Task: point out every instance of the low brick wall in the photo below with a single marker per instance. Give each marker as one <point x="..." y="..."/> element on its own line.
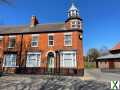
<point x="45" y="71"/>
<point x="117" y="70"/>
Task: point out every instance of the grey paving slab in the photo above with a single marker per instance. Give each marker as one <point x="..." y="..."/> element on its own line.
<point x="37" y="82"/>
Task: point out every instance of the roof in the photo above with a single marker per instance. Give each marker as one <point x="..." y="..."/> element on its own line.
<point x="117" y="47"/>
<point x="27" y="28"/>
<point x="73" y="7"/>
<point x="109" y="56"/>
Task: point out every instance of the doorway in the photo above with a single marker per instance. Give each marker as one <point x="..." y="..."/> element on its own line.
<point x="51" y="62"/>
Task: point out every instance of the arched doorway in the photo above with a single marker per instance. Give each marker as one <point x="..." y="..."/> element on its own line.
<point x="51" y="62"/>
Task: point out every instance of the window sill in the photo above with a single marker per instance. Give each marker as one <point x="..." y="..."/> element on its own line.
<point x="50" y="45"/>
<point x="34" y="46"/>
<point x="32" y="67"/>
<point x="10" y="66"/>
<point x="68" y="45"/>
<point x="69" y="67"/>
<point x="10" y="47"/>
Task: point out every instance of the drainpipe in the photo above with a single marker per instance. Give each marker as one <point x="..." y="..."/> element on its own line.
<point x="21" y="50"/>
<point x="58" y="61"/>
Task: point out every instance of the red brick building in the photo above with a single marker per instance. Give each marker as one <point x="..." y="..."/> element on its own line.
<point x="43" y="48"/>
<point x="110" y="62"/>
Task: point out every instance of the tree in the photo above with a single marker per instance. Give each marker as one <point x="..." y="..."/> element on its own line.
<point x="104" y="51"/>
<point x="92" y="54"/>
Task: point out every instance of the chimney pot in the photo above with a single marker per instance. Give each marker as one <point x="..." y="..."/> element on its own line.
<point x="34" y="21"/>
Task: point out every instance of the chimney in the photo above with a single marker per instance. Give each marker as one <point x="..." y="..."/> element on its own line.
<point x="34" y="21"/>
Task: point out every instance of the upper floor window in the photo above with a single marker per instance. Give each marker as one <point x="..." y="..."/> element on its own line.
<point x="1" y="38"/>
<point x="75" y="24"/>
<point x="12" y="40"/>
<point x="50" y="40"/>
<point x="35" y="39"/>
<point x="68" y="39"/>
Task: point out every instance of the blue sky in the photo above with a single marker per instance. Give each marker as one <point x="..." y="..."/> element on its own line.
<point x="101" y="17"/>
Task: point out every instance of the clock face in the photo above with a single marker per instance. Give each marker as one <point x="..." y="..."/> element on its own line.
<point x="80" y="36"/>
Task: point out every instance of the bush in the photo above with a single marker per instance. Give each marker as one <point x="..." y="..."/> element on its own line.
<point x="90" y="64"/>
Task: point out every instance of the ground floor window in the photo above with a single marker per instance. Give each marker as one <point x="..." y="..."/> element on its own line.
<point x="9" y="60"/>
<point x="33" y="59"/>
<point x="68" y="59"/>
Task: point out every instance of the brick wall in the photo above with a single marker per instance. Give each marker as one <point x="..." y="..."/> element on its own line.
<point x="43" y="47"/>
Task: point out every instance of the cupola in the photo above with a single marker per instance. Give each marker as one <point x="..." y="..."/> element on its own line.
<point x="73" y="11"/>
<point x="74" y="21"/>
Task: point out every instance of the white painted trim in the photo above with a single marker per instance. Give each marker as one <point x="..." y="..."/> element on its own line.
<point x="10" y="47"/>
<point x="51" y="40"/>
<point x="49" y="34"/>
<point x="34" y="46"/>
<point x="49" y="52"/>
<point x="34" y="53"/>
<point x="73" y="61"/>
<point x="12" y="36"/>
<point x="1" y="37"/>
<point x="64" y="39"/>
<point x="68" y="51"/>
<point x="35" y="35"/>
<point x="39" y="64"/>
<point x="68" y="33"/>
<point x="9" y="66"/>
<point x="76" y="23"/>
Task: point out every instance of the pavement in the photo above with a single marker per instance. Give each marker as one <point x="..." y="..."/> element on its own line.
<point x="96" y="74"/>
<point x="93" y="79"/>
<point x="47" y="82"/>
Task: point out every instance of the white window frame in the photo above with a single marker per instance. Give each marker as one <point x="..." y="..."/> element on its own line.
<point x="50" y="40"/>
<point x="76" y="24"/>
<point x="73" y="13"/>
<point x="37" y="41"/>
<point x="74" y="61"/>
<point x="66" y="40"/>
<point x="1" y="37"/>
<point x="38" y="61"/>
<point x="13" y="36"/>
<point x="10" y="60"/>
